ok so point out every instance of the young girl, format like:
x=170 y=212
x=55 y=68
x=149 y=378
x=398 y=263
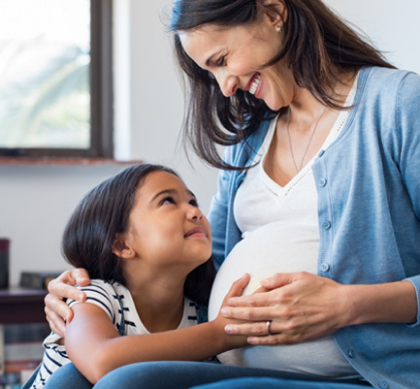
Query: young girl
x=146 y=244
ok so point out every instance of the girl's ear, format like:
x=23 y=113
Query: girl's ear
x=121 y=248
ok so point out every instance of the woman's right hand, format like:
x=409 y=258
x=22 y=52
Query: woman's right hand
x=63 y=287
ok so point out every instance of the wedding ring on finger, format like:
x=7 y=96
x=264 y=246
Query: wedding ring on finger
x=268 y=324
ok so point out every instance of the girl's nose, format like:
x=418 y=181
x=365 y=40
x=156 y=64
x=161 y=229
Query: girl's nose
x=194 y=213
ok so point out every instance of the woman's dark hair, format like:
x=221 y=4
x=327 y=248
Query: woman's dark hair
x=317 y=46
x=104 y=212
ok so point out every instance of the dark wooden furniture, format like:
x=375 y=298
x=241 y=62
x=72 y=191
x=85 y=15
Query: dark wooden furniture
x=21 y=306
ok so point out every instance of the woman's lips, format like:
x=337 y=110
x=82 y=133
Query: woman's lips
x=255 y=84
x=196 y=232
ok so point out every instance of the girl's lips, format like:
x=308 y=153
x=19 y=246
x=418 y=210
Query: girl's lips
x=197 y=232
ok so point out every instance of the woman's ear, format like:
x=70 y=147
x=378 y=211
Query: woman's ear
x=121 y=248
x=275 y=10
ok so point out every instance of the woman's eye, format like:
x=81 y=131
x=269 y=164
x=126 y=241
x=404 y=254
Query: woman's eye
x=167 y=200
x=222 y=61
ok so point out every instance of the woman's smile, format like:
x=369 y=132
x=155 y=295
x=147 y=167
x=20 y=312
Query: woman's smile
x=255 y=84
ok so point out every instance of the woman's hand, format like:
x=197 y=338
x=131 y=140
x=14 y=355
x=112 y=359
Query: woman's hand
x=56 y=310
x=300 y=306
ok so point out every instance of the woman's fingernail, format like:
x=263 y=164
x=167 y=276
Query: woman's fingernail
x=224 y=312
x=229 y=329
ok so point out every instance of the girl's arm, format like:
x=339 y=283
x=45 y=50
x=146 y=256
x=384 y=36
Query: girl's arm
x=95 y=348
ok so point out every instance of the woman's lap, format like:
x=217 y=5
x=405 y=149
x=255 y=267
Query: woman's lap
x=275 y=383
x=185 y=375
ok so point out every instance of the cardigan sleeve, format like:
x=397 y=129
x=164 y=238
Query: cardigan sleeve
x=219 y=208
x=218 y=218
x=408 y=117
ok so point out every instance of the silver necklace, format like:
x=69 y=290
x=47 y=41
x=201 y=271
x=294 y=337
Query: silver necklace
x=298 y=169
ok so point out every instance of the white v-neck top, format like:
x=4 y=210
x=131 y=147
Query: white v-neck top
x=280 y=235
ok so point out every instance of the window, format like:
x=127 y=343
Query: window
x=56 y=78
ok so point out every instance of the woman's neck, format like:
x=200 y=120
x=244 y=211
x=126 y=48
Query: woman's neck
x=306 y=107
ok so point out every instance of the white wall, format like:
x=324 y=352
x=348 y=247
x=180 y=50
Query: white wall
x=392 y=26
x=35 y=201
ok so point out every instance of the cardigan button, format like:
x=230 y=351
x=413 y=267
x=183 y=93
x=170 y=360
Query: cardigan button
x=321 y=153
x=326 y=225
x=383 y=385
x=351 y=354
x=325 y=267
x=323 y=181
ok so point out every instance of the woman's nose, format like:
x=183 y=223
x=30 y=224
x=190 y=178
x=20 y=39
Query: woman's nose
x=228 y=83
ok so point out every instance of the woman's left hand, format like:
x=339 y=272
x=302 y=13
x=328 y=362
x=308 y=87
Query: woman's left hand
x=300 y=306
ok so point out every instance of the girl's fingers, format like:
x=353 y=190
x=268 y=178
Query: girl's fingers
x=238 y=287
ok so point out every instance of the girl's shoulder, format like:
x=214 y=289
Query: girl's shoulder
x=106 y=295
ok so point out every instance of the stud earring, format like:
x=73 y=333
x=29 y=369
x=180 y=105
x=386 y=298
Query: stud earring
x=278 y=28
x=129 y=253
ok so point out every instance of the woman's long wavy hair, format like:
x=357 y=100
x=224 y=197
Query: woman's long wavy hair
x=317 y=46
x=104 y=212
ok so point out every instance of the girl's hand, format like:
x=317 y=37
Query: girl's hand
x=56 y=310
x=301 y=306
x=235 y=290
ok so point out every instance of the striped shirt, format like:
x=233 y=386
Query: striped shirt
x=117 y=302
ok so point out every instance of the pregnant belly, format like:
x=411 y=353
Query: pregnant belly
x=257 y=256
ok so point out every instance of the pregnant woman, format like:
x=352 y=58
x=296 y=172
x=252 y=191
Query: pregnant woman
x=318 y=199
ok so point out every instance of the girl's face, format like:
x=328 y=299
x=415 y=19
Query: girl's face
x=166 y=227
x=235 y=56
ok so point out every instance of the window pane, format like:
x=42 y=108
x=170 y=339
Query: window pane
x=44 y=74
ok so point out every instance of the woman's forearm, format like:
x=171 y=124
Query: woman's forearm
x=393 y=302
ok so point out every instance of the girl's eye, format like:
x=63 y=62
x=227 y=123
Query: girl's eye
x=167 y=200
x=194 y=203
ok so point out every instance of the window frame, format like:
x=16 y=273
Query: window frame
x=101 y=94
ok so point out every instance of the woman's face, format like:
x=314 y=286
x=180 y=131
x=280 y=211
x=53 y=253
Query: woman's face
x=235 y=56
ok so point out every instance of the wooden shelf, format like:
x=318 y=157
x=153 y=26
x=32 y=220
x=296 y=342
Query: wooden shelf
x=20 y=306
